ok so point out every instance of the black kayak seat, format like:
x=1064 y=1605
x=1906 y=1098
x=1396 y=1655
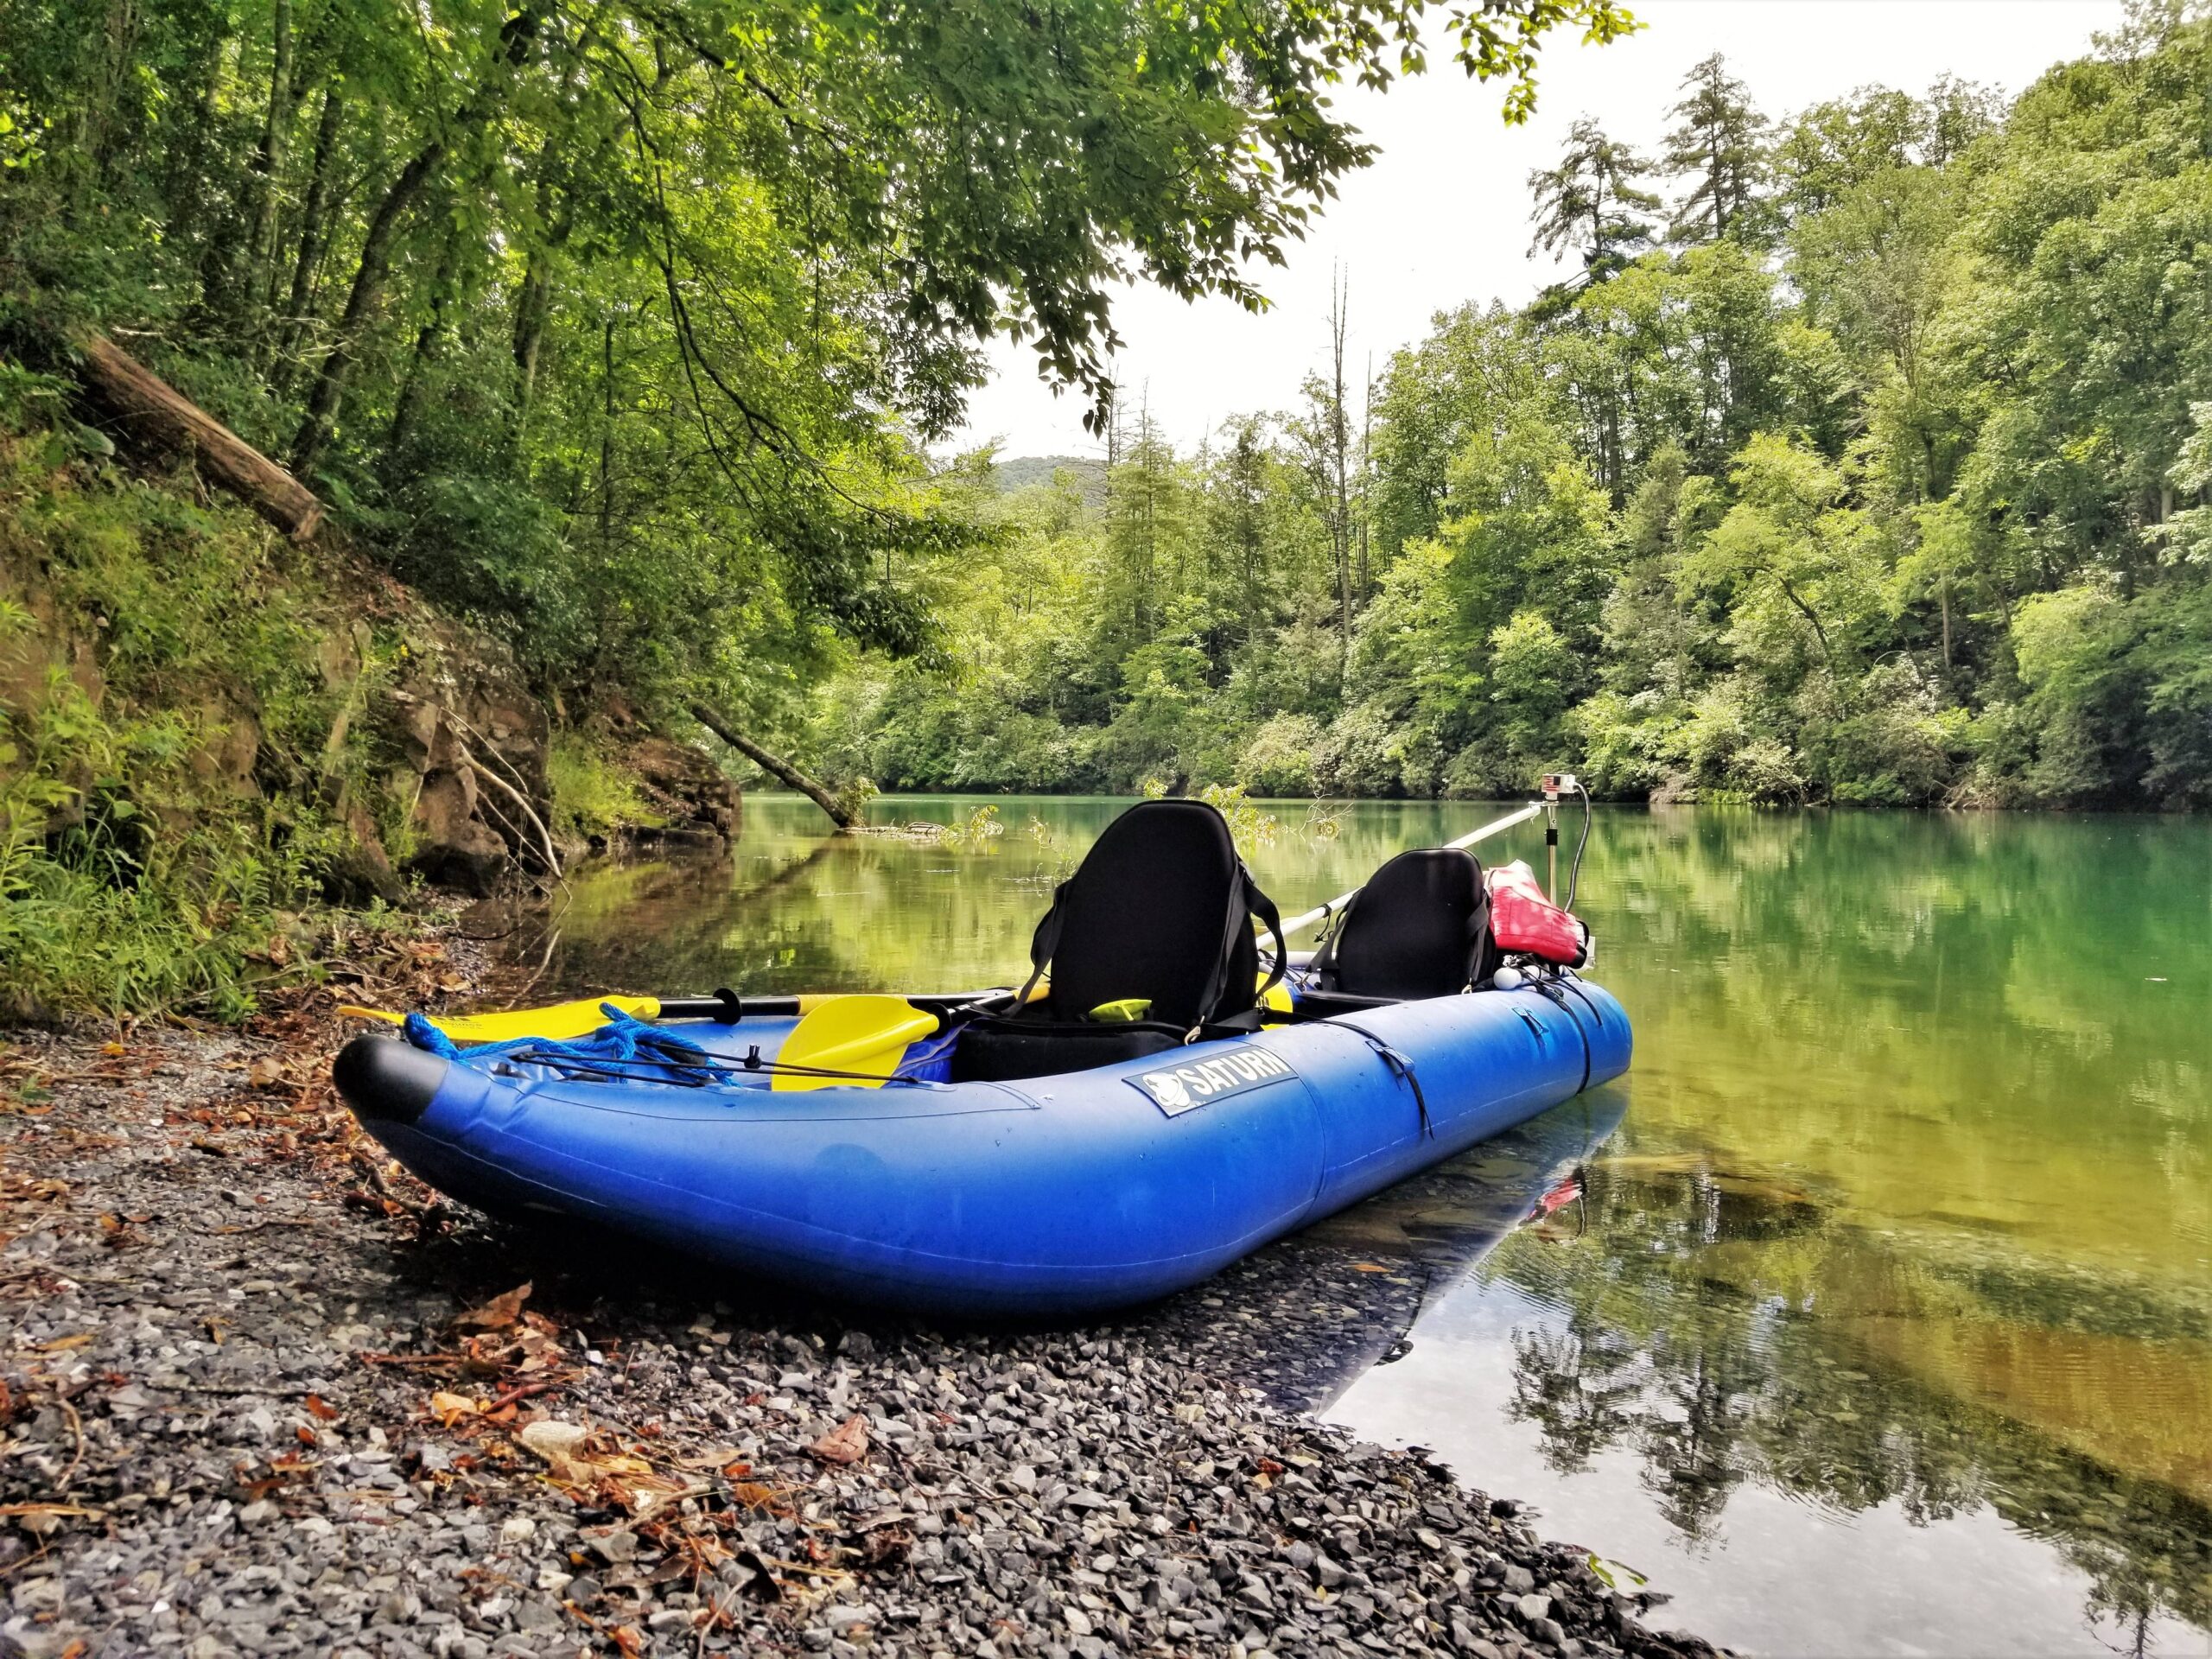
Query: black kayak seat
x=1160 y=912
x=1149 y=914
x=1419 y=928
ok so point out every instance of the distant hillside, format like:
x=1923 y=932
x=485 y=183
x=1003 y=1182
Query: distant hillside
x=1023 y=470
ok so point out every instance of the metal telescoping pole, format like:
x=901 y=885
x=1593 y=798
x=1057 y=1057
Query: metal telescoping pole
x=1551 y=838
x=1322 y=912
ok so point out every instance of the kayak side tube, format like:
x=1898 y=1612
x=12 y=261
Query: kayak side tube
x=1054 y=1196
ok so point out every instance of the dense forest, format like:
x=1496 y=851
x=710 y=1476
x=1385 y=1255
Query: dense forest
x=1865 y=460
x=615 y=344
x=604 y=341
x=622 y=324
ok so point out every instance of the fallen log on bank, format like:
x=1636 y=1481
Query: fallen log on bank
x=156 y=411
x=774 y=766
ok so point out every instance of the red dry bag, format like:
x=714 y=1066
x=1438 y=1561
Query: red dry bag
x=1525 y=922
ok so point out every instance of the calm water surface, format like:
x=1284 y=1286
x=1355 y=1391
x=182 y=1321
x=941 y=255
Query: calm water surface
x=1879 y=1318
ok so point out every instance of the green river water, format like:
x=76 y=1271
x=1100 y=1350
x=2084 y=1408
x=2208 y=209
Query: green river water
x=1882 y=1323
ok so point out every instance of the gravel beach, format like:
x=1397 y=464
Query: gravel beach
x=261 y=1394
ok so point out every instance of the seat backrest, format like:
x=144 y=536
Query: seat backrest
x=1160 y=909
x=1420 y=927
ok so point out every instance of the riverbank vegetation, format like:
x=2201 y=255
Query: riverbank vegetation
x=1863 y=460
x=143 y=862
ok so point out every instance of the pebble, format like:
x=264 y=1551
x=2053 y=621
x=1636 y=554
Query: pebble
x=249 y=1484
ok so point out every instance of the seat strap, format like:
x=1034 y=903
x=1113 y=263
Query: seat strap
x=1246 y=900
x=1043 y=942
x=1256 y=903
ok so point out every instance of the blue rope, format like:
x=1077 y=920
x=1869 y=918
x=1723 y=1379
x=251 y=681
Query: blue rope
x=623 y=1041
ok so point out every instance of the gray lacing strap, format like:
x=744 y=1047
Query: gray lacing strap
x=1400 y=1063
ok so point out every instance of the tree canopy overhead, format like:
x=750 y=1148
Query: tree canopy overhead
x=599 y=313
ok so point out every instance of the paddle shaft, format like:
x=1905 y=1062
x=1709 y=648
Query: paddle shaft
x=1322 y=912
x=729 y=1008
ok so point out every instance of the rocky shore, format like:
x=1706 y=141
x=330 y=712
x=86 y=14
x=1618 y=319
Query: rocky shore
x=260 y=1394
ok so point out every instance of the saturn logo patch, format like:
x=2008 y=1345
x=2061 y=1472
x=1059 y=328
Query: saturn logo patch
x=1185 y=1088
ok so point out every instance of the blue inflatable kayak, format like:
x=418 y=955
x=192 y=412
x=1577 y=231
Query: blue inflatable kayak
x=1044 y=1195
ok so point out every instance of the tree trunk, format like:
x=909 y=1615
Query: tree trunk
x=95 y=135
x=606 y=442
x=314 y=213
x=426 y=344
x=776 y=767
x=376 y=246
x=368 y=288
x=187 y=163
x=269 y=166
x=1820 y=633
x=151 y=407
x=1339 y=469
x=532 y=306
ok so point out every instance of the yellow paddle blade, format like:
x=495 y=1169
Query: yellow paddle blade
x=559 y=1020
x=867 y=1034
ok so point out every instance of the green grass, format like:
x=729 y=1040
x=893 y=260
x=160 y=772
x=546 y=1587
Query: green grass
x=592 y=794
x=140 y=632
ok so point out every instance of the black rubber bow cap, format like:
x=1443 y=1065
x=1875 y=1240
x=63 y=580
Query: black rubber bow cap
x=386 y=1080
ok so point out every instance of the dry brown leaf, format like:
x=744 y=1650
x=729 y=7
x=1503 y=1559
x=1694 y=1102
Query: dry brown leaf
x=499 y=1313
x=451 y=1405
x=847 y=1443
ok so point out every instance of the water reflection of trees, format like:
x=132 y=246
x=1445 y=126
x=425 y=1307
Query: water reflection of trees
x=1709 y=1332
x=1885 y=987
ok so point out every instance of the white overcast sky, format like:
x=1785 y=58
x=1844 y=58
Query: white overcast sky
x=1442 y=216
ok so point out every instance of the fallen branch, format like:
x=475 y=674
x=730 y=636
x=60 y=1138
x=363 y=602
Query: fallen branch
x=155 y=410
x=774 y=766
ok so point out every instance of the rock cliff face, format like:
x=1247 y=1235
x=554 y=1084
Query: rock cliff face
x=471 y=744
x=701 y=806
